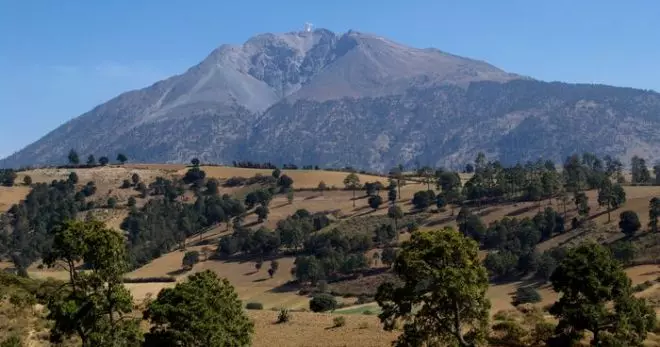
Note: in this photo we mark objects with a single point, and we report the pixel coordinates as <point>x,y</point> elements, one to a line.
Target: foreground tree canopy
<point>95,304</point>
<point>589,279</point>
<point>443,298</point>
<point>202,311</point>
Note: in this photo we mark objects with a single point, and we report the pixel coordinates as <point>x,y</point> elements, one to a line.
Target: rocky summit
<point>327,99</point>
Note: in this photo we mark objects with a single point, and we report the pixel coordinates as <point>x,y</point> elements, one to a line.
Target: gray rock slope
<point>353,99</point>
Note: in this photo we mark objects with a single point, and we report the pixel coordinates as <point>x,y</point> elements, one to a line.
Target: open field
<point>315,329</point>
<point>12,195</point>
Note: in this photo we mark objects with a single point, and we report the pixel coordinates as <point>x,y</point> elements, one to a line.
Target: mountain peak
<point>237,83</point>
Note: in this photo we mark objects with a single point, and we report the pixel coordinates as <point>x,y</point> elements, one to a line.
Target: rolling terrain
<point>311,329</point>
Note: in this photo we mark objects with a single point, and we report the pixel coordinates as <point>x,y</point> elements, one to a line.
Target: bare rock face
<point>354,99</point>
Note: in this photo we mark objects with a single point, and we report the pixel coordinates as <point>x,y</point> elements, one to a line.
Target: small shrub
<point>525,295</point>
<point>643,286</point>
<point>254,306</point>
<point>322,303</point>
<point>363,325</point>
<point>284,316</point>
<point>339,322</point>
<point>12,341</point>
<point>367,312</point>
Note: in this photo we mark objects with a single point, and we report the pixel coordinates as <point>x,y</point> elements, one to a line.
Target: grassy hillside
<point>257,286</point>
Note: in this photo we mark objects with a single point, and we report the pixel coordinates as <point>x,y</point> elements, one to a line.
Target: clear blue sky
<point>59,59</point>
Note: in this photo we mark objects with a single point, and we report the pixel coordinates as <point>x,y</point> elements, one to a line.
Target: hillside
<point>255,285</point>
<point>321,98</point>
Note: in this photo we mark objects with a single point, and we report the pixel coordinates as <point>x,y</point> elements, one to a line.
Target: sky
<point>59,59</point>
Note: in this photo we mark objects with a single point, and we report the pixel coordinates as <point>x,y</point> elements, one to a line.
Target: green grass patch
<point>373,309</point>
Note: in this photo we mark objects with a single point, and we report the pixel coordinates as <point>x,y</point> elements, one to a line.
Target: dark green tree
<point>395,213</point>
<point>91,161</point>
<point>611,196</point>
<point>27,180</point>
<point>423,199</point>
<point>135,178</point>
<point>285,182</point>
<point>276,173</point>
<point>443,297</point>
<point>104,161</point>
<point>375,201</point>
<point>391,192</point>
<point>588,279</point>
<point>194,162</point>
<point>323,302</point>
<point>629,223</point>
<point>95,304</point>
<point>121,158</point>
<point>73,157</point>
<point>190,259</point>
<point>261,212</point>
<point>352,182</point>
<point>203,311</point>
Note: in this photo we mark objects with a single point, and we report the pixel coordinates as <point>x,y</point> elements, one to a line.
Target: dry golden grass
<point>315,329</point>
<point>12,195</point>
<point>301,178</point>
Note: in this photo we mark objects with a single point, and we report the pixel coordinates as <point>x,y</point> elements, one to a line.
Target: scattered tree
<point>73,177</point>
<point>258,264</point>
<point>289,196</point>
<point>27,180</point>
<point>274,266</point>
<point>443,297</point>
<point>121,158</point>
<point>131,202</point>
<point>588,279</point>
<point>285,182</point>
<point>73,157</point>
<point>375,201</point>
<point>195,162</point>
<point>135,178</point>
<point>104,161</point>
<point>91,161</point>
<point>189,260</point>
<point>352,182</point>
<point>276,173</point>
<point>95,304</point>
<point>388,255</point>
<point>112,202</point>
<point>526,295</point>
<point>322,187</point>
<point>395,213</point>
<point>629,223</point>
<point>262,213</point>
<point>322,303</point>
<point>204,311</point>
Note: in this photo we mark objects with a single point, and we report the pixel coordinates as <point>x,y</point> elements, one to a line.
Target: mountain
<point>353,99</point>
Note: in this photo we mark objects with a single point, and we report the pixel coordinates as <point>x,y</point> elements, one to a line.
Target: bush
<point>112,202</point>
<point>254,306</point>
<point>642,286</point>
<point>163,279</point>
<point>322,303</point>
<point>367,312</point>
<point>525,295</point>
<point>339,322</point>
<point>284,316</point>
